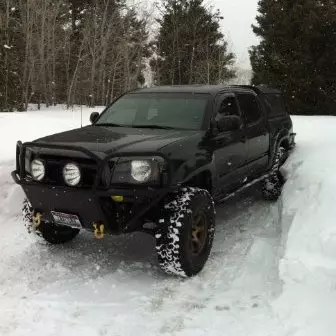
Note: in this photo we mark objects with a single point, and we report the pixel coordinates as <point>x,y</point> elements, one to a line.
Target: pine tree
<point>297,52</point>
<point>190,48</point>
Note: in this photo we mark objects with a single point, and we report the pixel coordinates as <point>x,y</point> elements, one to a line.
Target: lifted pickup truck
<point>155,161</point>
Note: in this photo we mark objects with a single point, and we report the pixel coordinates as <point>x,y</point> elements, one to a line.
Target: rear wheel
<point>272,187</point>
<point>52,233</point>
<point>273,184</point>
<point>185,232</point>
<point>284,155</point>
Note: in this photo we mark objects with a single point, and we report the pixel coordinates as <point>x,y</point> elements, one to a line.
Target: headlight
<point>71,174</point>
<point>138,171</point>
<point>37,169</point>
<point>141,170</point>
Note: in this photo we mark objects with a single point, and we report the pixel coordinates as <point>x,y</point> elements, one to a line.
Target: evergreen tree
<point>297,52</point>
<point>190,48</point>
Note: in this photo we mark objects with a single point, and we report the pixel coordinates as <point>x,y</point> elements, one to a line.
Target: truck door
<point>229,147</point>
<point>257,133</point>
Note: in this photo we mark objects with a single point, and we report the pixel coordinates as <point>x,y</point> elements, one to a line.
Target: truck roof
<point>210,89</point>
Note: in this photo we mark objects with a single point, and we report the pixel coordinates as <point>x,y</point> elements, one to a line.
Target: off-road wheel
<point>52,233</point>
<point>284,155</point>
<point>273,184</point>
<point>185,232</point>
<point>272,187</point>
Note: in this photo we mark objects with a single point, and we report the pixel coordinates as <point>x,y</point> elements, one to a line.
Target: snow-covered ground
<point>272,270</point>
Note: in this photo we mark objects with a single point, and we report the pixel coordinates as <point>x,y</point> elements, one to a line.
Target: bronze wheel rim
<point>199,233</point>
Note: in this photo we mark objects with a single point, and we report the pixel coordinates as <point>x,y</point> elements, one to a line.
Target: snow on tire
<point>50,232</point>
<point>185,232</point>
<point>27,217</point>
<point>272,185</point>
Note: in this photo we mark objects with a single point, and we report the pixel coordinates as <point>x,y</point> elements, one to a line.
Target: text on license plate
<point>66,219</point>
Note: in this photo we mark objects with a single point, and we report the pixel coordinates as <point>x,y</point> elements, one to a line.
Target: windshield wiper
<point>110,125</point>
<point>137,126</point>
<point>154,127</point>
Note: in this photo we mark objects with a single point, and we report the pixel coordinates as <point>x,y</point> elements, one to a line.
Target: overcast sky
<point>238,18</point>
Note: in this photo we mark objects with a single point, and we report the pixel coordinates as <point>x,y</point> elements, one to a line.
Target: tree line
<point>91,51</point>
<point>69,51</point>
<point>297,52</point>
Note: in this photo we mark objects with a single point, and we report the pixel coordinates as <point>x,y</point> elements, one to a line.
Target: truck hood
<point>108,140</point>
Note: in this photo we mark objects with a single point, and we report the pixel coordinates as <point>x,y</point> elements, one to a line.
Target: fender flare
<point>208,166</point>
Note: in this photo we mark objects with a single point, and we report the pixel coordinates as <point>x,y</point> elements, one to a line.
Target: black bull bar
<point>143,198</point>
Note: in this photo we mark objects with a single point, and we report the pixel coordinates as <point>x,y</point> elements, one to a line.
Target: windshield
<point>176,111</point>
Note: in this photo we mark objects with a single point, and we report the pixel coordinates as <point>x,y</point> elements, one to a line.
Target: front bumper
<point>92,205</point>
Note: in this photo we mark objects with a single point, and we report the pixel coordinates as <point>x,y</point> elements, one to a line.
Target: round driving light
<point>71,174</point>
<point>37,169</point>
<point>141,170</point>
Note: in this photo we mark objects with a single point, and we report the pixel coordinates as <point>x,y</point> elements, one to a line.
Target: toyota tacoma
<point>157,160</point>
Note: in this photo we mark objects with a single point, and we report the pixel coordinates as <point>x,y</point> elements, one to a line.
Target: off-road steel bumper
<point>91,205</point>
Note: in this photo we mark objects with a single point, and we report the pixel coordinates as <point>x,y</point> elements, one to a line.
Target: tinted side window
<point>228,107</point>
<point>275,104</point>
<point>249,108</point>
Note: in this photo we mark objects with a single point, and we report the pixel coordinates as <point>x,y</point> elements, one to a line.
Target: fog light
<point>71,174</point>
<point>37,169</point>
<point>118,199</point>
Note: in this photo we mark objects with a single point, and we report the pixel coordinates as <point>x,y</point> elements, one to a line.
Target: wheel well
<point>285,144</point>
<point>203,180</point>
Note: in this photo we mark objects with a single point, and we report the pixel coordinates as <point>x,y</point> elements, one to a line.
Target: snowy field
<point>272,270</point>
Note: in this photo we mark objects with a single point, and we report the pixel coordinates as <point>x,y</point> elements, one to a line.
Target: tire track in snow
<point>245,254</point>
<point>246,227</point>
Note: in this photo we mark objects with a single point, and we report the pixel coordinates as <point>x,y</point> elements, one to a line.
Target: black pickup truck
<point>156,160</point>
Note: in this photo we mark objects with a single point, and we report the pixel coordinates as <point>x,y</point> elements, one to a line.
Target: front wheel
<point>185,232</point>
<point>52,233</point>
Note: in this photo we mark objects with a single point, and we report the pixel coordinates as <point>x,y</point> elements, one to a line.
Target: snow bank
<point>308,267</point>
<point>114,286</point>
<point>27,126</point>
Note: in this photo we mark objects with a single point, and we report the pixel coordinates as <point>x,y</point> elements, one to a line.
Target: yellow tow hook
<point>36,220</point>
<point>99,231</point>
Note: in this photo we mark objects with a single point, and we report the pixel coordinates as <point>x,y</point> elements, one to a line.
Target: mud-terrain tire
<point>273,184</point>
<point>27,215</point>
<point>52,233</point>
<point>284,155</point>
<point>185,232</point>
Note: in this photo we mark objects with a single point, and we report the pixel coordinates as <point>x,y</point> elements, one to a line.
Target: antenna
<point>81,115</point>
<point>81,108</point>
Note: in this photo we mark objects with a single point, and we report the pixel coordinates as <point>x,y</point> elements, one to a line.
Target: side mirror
<point>229,123</point>
<point>94,116</point>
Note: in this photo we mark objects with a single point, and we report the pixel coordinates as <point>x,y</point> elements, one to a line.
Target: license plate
<point>66,220</point>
